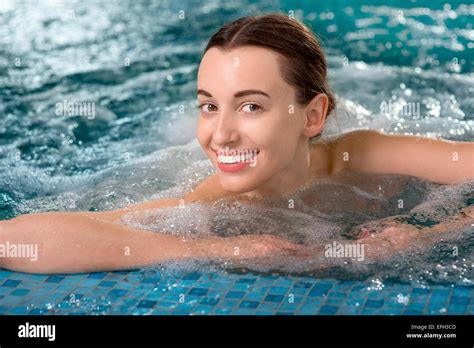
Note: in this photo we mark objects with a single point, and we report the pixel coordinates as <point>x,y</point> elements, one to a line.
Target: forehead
<point>240,68</point>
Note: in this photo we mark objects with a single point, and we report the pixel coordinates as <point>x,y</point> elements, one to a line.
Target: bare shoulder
<point>331,154</point>
<point>370,151</point>
<point>352,139</point>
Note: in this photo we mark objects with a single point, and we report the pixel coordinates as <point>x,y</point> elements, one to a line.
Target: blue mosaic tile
<point>19,310</point>
<point>192,276</point>
<point>279,290</point>
<point>243,311</point>
<point>137,292</point>
<point>11,283</point>
<point>319,290</point>
<point>349,310</point>
<point>423,291</point>
<point>308,311</point>
<point>54,279</point>
<point>374,303</point>
<point>370,311</point>
<point>242,286</point>
<point>118,292</point>
<point>439,298</point>
<point>298,291</point>
<point>463,291</point>
<point>249,304</point>
<point>456,309</point>
<point>336,294</point>
<point>328,310</point>
<point>246,281</point>
<point>256,296</point>
<point>100,275</point>
<point>460,300</point>
<point>151,280</point>
<point>235,294</point>
<point>38,311</point>
<point>210,301</point>
<point>274,298</point>
<point>470,308</point>
<point>332,302</point>
<point>106,283</point>
<point>221,311</point>
<point>358,288</point>
<point>288,307</point>
<point>146,304</point>
<point>198,291</point>
<point>20,292</point>
<point>186,311</point>
<point>142,311</point>
<point>198,311</point>
<point>412,312</point>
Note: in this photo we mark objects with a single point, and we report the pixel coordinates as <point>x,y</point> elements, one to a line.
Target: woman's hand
<point>394,238</point>
<point>397,237</point>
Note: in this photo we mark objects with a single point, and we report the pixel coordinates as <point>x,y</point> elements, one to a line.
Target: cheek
<point>281,135</point>
<point>203,132</point>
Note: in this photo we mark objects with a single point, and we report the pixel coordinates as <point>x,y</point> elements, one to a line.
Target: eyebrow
<point>238,94</point>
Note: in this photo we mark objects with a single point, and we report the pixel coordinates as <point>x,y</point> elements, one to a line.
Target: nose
<point>225,130</point>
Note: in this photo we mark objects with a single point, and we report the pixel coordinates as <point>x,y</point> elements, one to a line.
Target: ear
<point>315,115</point>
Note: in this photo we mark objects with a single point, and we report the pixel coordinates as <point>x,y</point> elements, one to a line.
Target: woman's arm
<point>73,243</point>
<point>397,237</point>
<point>380,240</point>
<point>437,160</point>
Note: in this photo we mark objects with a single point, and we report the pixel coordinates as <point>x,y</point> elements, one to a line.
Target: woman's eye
<point>251,108</point>
<point>208,107</point>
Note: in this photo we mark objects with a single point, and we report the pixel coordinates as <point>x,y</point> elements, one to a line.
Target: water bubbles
<point>331,28</point>
<point>433,107</point>
<point>326,15</point>
<point>376,285</point>
<point>403,299</point>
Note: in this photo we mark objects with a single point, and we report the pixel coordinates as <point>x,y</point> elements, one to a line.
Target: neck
<point>298,173</point>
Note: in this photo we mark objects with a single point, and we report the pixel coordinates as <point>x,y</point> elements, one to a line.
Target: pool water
<point>397,68</point>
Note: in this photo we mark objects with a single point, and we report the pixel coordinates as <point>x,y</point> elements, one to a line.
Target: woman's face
<point>250,125</point>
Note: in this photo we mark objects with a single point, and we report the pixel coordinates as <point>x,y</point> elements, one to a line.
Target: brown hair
<point>303,65</point>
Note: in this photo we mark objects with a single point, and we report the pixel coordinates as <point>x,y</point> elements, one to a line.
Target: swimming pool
<point>132,67</point>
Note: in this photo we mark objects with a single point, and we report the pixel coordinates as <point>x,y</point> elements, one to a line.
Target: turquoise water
<point>136,63</point>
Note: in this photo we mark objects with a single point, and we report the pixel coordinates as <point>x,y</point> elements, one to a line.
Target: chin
<point>237,185</point>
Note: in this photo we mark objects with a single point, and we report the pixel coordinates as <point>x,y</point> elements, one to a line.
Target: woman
<point>264,99</point>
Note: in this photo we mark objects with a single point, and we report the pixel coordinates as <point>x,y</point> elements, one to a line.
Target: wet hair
<point>302,62</point>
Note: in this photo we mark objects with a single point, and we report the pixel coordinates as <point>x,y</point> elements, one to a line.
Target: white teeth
<point>234,159</point>
<point>243,157</point>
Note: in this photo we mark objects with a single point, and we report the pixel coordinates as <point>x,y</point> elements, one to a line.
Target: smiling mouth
<point>236,156</point>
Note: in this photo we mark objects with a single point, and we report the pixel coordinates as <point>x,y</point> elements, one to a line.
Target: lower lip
<point>233,168</point>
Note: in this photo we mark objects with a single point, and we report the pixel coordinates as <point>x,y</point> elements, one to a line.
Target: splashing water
<point>139,144</point>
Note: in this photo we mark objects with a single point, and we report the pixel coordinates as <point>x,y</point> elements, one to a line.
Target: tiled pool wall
<point>145,292</point>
